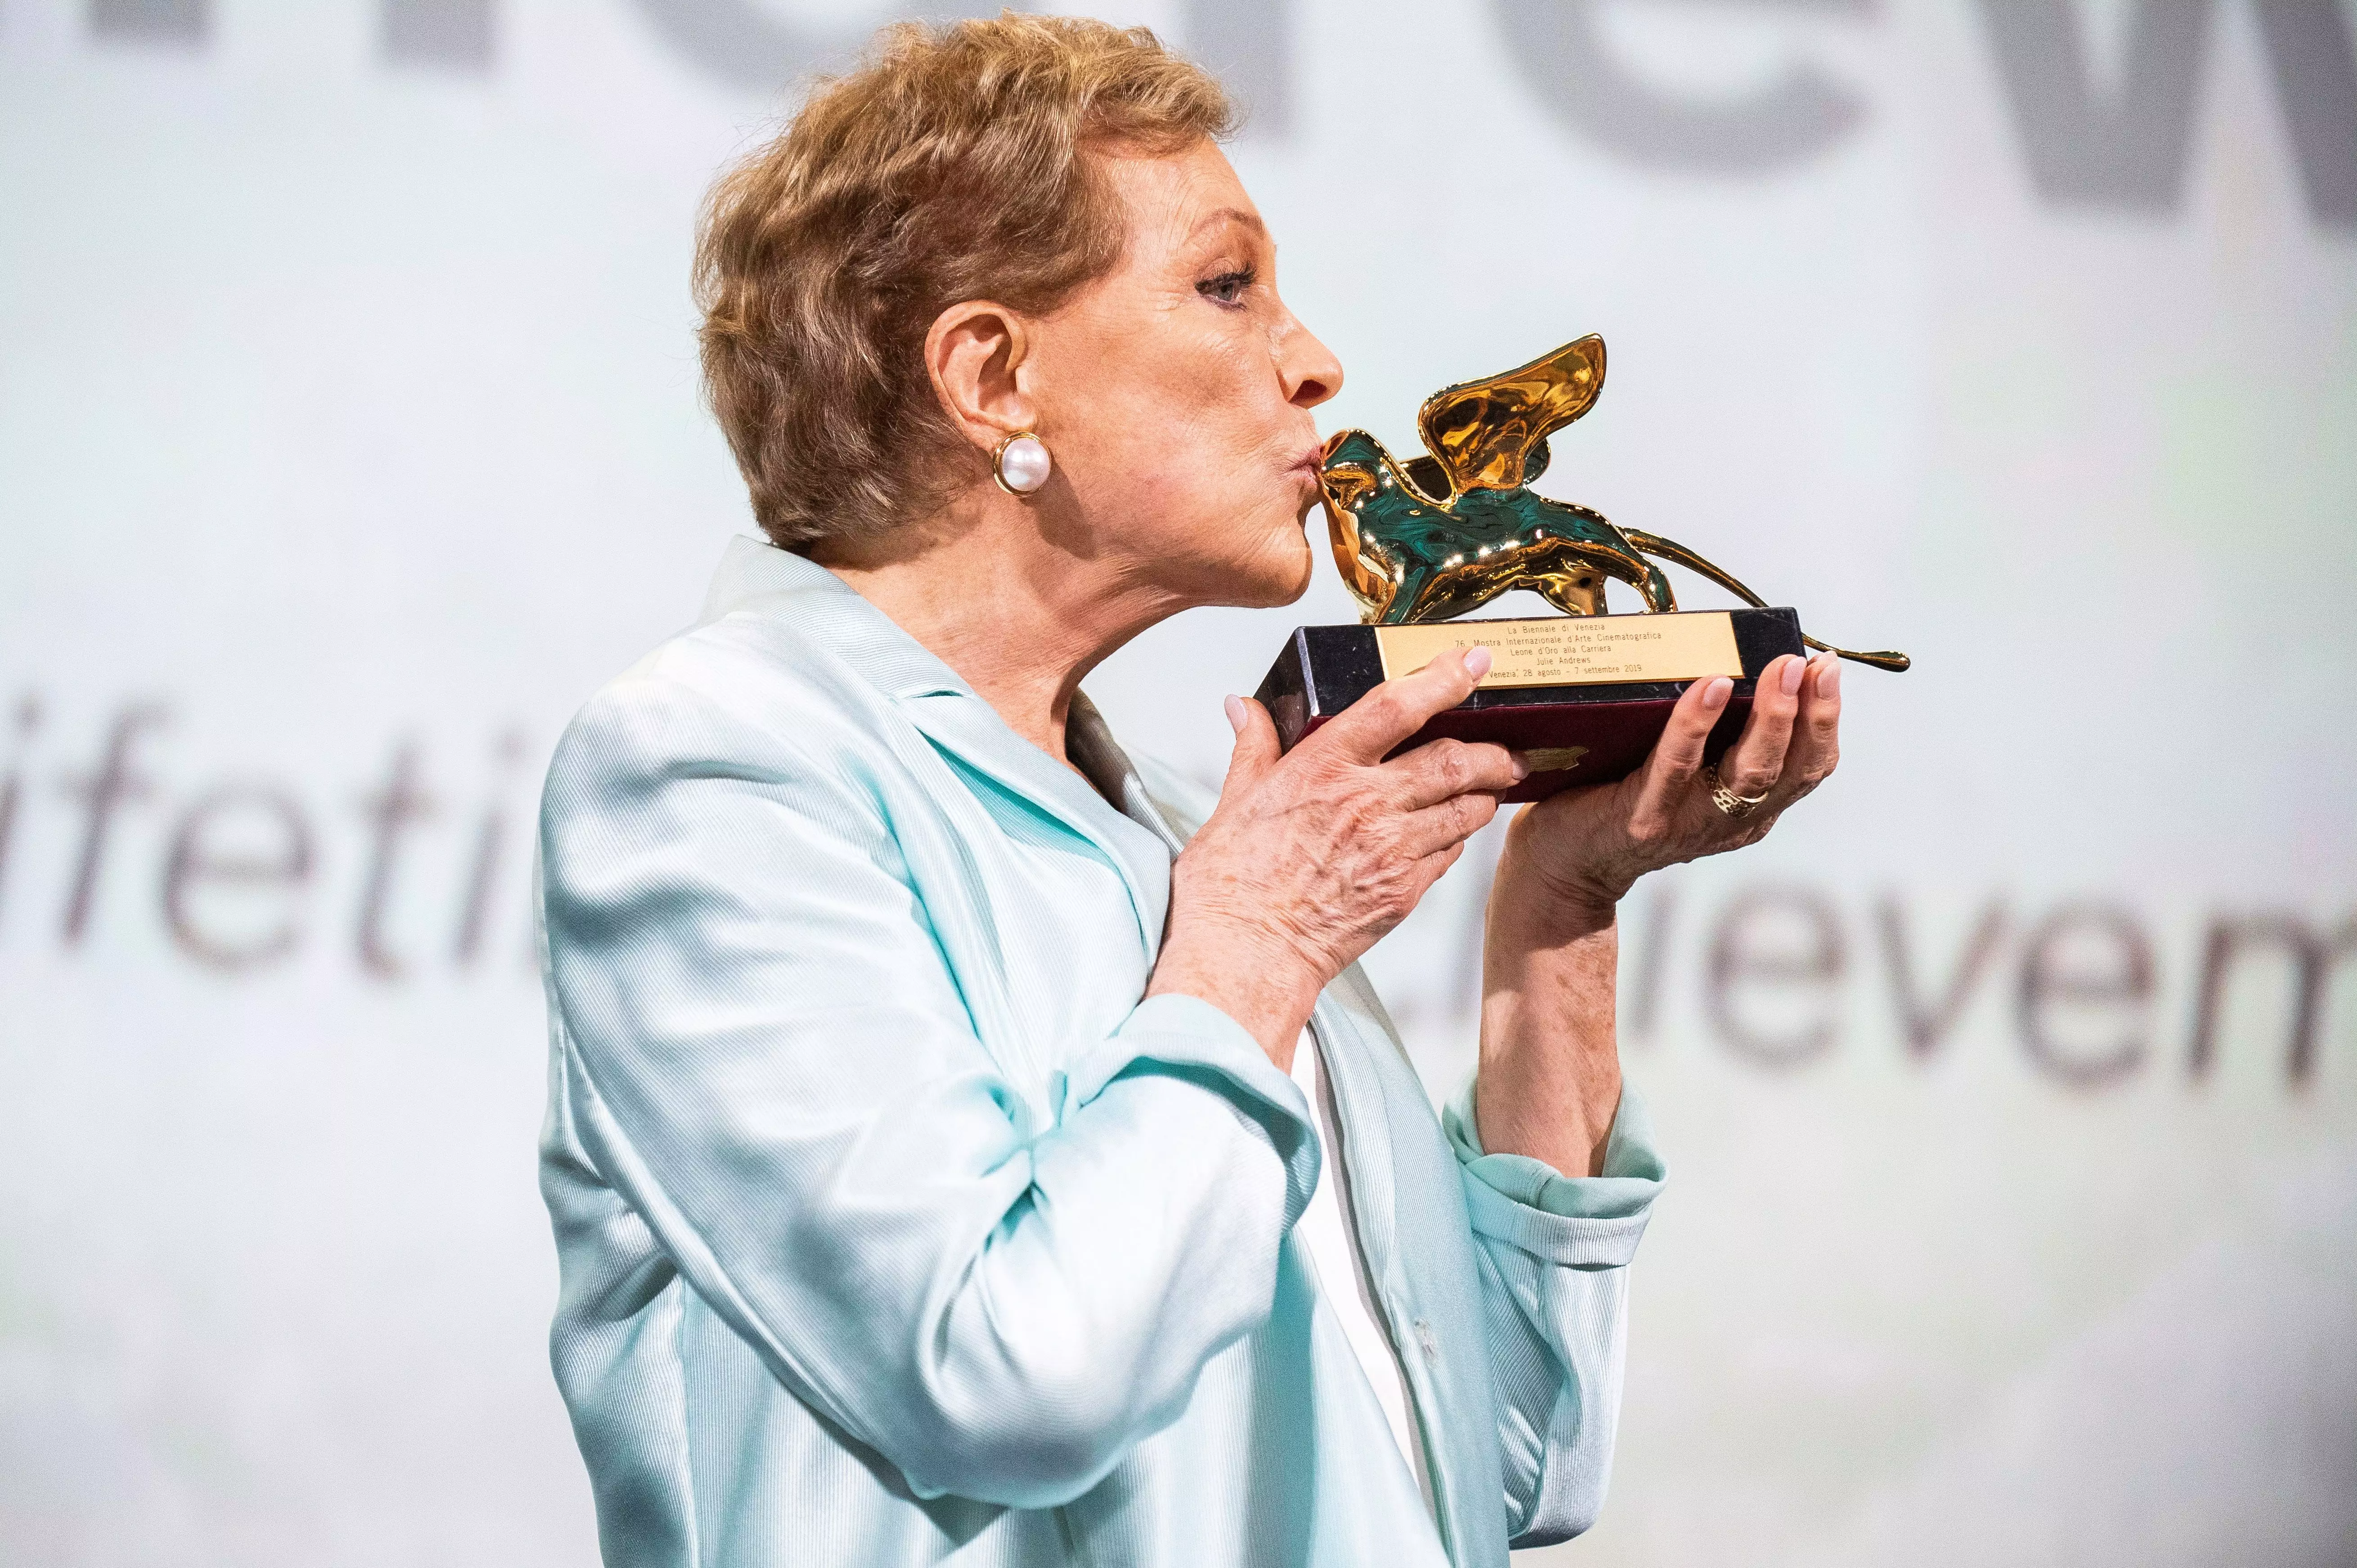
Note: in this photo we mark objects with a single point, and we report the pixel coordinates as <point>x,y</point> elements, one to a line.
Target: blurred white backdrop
<point>349,437</point>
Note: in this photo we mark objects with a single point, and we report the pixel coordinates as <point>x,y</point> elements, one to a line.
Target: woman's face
<point>1175,394</point>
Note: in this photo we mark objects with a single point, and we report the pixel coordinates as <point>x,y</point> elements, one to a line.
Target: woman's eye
<point>1228,288</point>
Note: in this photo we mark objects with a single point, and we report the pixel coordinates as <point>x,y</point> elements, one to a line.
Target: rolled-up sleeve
<point>998,1288</point>
<point>1554,1251</point>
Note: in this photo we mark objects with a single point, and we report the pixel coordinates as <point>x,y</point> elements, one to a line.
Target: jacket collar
<point>758,578</point>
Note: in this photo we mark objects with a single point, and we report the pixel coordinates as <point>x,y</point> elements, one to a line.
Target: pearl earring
<point>1020,464</point>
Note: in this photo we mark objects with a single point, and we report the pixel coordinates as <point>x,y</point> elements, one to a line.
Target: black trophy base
<point>1582,732</point>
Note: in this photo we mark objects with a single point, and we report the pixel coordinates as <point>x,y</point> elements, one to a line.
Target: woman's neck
<point>1022,620</point>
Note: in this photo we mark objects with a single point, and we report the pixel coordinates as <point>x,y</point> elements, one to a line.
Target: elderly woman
<point>964,1143</point>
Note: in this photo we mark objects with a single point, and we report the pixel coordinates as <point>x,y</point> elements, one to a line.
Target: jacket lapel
<point>1407,1203</point>
<point>970,730</point>
<point>1407,1208</point>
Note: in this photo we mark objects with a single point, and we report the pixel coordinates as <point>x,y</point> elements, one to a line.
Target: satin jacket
<point>896,1229</point>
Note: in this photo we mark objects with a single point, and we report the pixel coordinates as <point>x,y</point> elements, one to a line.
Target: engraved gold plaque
<point>1574,650</point>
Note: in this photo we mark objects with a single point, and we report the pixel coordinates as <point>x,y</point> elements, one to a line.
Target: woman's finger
<point>1754,763</point>
<point>1816,733</point>
<point>1676,757</point>
<point>1368,729</point>
<point>1438,770</point>
<point>1452,821</point>
<point>1257,749</point>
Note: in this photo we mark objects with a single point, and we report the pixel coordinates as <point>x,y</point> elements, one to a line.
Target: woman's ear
<point>974,352</point>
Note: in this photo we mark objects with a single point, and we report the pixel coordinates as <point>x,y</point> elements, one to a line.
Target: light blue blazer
<point>895,1229</point>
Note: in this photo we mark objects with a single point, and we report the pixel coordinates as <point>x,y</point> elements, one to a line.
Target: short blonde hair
<point>951,165</point>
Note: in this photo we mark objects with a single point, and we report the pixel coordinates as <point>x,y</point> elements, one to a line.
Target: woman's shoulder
<point>738,695</point>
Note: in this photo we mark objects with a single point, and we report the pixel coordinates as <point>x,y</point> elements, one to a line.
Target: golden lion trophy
<point>1585,693</point>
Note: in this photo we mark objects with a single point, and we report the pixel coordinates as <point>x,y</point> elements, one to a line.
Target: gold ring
<point>1727,800</point>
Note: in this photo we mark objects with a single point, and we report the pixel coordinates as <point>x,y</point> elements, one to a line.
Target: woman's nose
<point>1311,373</point>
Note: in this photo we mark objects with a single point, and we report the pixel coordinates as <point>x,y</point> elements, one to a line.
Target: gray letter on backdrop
<point>455,33</point>
<point>752,47</point>
<point>164,21</point>
<point>2315,65</point>
<point>2129,148</point>
<point>1557,46</point>
<point>1248,45</point>
<point>2126,152</point>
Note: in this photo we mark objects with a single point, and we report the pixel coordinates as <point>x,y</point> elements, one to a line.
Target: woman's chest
<point>1050,927</point>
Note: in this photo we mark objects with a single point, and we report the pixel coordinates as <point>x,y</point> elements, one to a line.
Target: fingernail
<point>1793,670</point>
<point>1477,662</point>
<point>1236,706</point>
<point>1522,764</point>
<point>1829,679</point>
<point>1715,695</point>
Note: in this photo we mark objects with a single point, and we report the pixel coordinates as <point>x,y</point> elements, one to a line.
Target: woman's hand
<point>1570,858</point>
<point>1549,1083</point>
<point>1313,855</point>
